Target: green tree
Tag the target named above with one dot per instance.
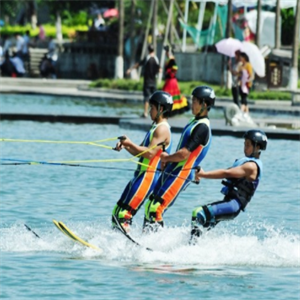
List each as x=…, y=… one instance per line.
x=9, y=9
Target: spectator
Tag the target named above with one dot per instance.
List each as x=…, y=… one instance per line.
x=42, y=33
x=7, y=67
x=246, y=79
x=20, y=44
x=171, y=84
x=52, y=53
x=26, y=38
x=150, y=70
x=46, y=67
x=99, y=22
x=235, y=69
x=25, y=52
x=18, y=65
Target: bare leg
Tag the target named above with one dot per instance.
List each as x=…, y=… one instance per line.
x=146, y=108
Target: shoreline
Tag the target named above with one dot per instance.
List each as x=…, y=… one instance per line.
x=80, y=89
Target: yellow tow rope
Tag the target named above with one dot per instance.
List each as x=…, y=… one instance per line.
x=91, y=143
x=111, y=160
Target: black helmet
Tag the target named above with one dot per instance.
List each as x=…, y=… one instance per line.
x=162, y=99
x=205, y=93
x=258, y=137
x=150, y=48
x=167, y=48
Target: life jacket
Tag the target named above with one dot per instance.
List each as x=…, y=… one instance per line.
x=196, y=156
x=240, y=188
x=154, y=163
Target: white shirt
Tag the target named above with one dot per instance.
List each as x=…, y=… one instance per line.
x=26, y=39
x=18, y=64
x=20, y=44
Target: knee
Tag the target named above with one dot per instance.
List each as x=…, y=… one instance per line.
x=201, y=216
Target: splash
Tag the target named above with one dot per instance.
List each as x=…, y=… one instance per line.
x=259, y=245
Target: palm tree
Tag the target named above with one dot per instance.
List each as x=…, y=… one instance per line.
x=294, y=67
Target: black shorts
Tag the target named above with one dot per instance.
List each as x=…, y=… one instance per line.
x=243, y=97
x=148, y=91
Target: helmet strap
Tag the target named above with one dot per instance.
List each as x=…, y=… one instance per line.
x=254, y=153
x=159, y=113
x=202, y=108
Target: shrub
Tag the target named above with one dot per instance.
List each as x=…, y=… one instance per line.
x=50, y=30
x=186, y=88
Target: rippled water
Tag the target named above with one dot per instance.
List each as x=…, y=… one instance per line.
x=63, y=105
x=256, y=256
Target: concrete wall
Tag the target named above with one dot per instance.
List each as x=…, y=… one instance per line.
x=85, y=65
x=199, y=66
x=86, y=61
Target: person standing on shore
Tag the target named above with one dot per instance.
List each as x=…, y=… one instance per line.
x=246, y=79
x=151, y=68
x=171, y=86
x=235, y=68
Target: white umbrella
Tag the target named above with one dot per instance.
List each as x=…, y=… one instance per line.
x=228, y=46
x=255, y=57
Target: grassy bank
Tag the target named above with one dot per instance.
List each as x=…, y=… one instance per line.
x=187, y=87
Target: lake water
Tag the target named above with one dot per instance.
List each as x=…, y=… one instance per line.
x=64, y=105
x=256, y=256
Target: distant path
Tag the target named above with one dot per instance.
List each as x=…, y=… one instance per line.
x=79, y=88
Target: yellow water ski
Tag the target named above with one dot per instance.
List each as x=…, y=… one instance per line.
x=65, y=230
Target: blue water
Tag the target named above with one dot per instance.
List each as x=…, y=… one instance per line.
x=64, y=105
x=256, y=256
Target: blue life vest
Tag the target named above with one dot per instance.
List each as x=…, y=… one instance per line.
x=199, y=153
x=240, y=188
x=155, y=163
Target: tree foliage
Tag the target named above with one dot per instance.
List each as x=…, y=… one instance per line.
x=288, y=24
x=76, y=6
x=9, y=8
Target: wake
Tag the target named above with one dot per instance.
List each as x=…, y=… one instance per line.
x=258, y=245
